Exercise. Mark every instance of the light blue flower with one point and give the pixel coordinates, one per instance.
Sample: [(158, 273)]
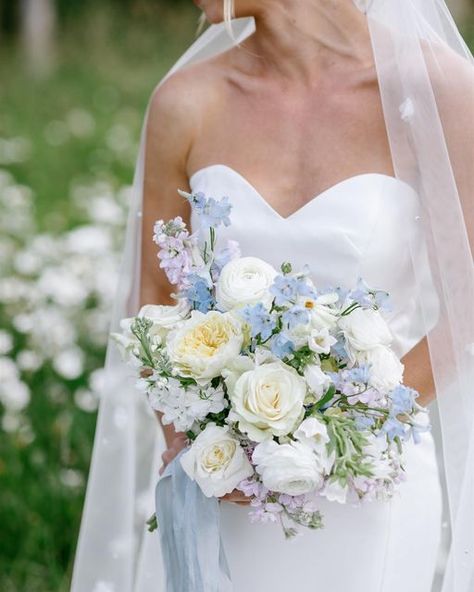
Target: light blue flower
[(403, 399), (294, 316), (212, 213), (281, 346), (286, 289), (223, 256), (393, 428), (198, 293), (260, 321)]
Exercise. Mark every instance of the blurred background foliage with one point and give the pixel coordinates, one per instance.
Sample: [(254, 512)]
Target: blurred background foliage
[(75, 80)]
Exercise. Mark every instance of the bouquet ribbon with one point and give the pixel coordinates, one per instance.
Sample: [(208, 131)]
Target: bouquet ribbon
[(188, 524)]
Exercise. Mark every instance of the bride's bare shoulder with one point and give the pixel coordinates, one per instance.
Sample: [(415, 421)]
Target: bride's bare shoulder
[(184, 97)]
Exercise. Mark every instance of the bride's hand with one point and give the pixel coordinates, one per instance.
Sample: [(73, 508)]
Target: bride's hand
[(177, 444), (237, 497)]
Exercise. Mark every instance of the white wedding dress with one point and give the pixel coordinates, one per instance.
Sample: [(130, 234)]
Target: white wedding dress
[(360, 227)]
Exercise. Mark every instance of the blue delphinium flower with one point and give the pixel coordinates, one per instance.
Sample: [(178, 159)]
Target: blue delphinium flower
[(286, 289), (383, 301), (281, 346), (296, 315), (403, 399), (212, 213), (363, 422), (283, 289), (393, 428), (260, 321), (362, 294), (338, 350), (198, 293)]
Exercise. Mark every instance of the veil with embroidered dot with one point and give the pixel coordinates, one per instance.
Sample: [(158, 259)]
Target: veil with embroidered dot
[(426, 79)]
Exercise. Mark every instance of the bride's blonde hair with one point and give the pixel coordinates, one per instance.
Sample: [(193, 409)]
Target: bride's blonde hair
[(228, 6)]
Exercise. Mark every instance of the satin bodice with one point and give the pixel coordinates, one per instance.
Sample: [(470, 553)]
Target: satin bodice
[(360, 227)]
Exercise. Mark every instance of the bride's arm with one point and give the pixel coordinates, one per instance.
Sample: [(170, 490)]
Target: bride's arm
[(418, 373), (169, 134)]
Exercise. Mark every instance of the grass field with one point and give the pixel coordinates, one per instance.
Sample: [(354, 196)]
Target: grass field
[(67, 148)]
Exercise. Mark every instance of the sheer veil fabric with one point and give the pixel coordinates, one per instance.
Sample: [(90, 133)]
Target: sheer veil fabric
[(426, 80)]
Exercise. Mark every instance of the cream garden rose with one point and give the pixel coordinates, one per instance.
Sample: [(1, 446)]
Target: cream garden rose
[(202, 346), (289, 468), (244, 280), (267, 400), (216, 461)]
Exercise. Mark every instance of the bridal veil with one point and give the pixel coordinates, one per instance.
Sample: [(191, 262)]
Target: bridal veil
[(426, 80)]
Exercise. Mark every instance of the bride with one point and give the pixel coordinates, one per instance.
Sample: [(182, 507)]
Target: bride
[(341, 130)]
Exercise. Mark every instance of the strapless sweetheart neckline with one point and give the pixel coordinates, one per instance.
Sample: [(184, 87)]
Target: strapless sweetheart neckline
[(330, 191)]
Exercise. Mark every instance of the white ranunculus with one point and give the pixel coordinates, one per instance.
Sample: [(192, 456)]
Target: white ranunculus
[(165, 317), (216, 461), (317, 380), (364, 329), (386, 370), (244, 280), (203, 345), (289, 468), (266, 400)]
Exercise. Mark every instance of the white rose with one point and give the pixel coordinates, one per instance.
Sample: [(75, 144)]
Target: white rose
[(165, 317), (317, 380), (203, 345), (386, 370), (267, 400), (363, 330), (245, 280), (287, 468), (216, 461)]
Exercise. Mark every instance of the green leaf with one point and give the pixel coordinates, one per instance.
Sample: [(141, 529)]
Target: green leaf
[(327, 397)]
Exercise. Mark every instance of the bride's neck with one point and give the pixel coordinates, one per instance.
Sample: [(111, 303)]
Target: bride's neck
[(299, 38)]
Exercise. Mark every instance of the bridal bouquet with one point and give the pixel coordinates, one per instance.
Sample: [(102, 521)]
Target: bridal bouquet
[(287, 391)]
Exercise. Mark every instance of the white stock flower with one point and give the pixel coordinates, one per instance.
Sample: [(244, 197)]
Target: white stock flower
[(202, 346), (320, 341), (165, 317), (216, 461), (386, 370), (334, 491), (289, 468), (266, 400), (245, 280), (183, 407), (317, 381), (313, 433), (364, 329)]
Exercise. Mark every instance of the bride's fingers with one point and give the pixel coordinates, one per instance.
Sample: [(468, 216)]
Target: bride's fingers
[(236, 497), (178, 443)]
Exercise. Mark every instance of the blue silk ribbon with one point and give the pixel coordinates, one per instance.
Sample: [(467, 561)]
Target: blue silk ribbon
[(188, 525)]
